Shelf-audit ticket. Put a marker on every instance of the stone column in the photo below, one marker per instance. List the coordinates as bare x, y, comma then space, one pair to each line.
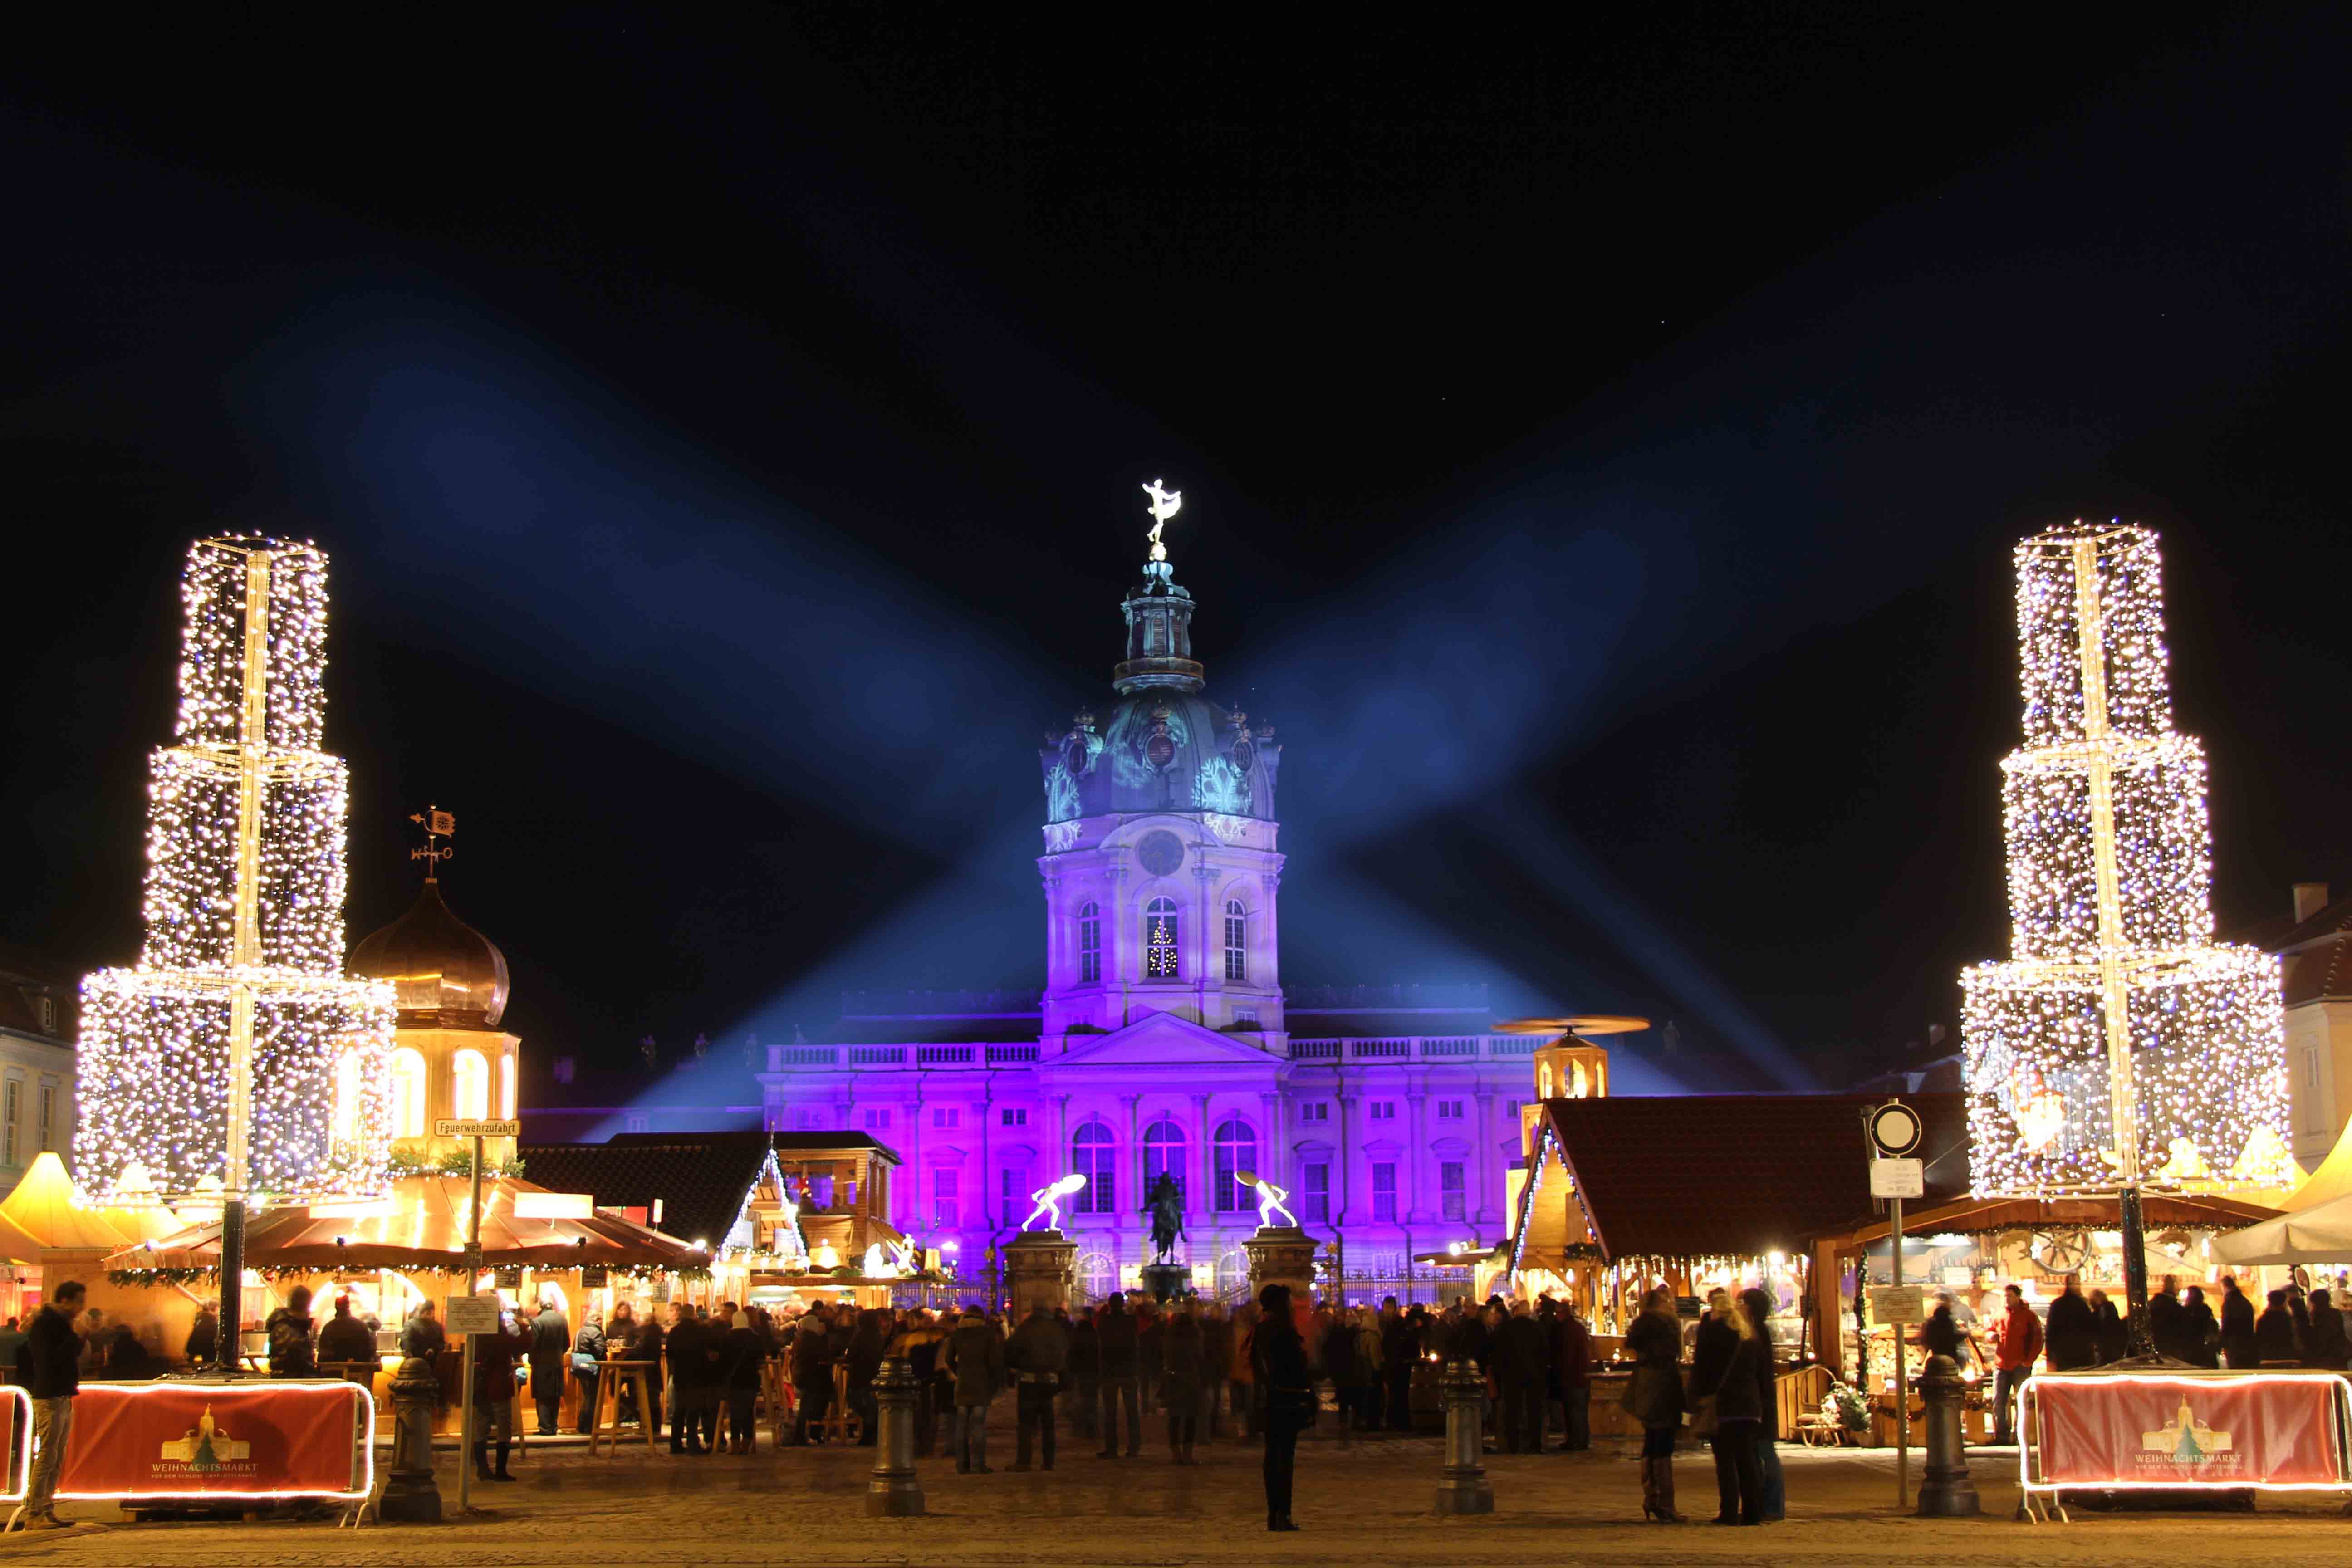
1042, 1265
1417, 1210
1130, 1201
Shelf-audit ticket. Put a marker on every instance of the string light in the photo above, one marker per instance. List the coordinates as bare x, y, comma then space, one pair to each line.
2115, 978
157, 1049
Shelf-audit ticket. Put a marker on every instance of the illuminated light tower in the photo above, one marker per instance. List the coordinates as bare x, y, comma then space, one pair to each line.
235, 1063
2120, 1045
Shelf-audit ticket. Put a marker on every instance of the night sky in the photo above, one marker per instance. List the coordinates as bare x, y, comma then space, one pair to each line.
1601, 451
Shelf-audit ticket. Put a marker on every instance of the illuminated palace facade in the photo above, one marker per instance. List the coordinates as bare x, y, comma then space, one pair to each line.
1164, 1041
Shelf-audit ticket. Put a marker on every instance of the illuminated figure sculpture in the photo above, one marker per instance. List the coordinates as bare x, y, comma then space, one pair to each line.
1048, 1199
2119, 1044
1165, 504
1269, 1198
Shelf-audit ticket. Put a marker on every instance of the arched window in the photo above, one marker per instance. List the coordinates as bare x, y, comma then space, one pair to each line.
347, 1100
506, 1085
1163, 1154
1237, 941
1159, 941
469, 1084
407, 1093
1236, 1150
1089, 944
1090, 1156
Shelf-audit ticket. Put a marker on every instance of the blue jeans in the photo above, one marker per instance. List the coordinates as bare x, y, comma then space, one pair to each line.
2004, 1394
971, 1437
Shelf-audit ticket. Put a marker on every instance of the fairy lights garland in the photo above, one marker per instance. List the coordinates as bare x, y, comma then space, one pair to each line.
2110, 870
156, 1039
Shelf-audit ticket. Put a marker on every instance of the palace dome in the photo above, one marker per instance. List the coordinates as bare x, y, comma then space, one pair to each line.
443, 973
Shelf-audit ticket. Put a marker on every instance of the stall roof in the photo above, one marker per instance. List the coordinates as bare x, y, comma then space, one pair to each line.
1737, 1174
701, 1181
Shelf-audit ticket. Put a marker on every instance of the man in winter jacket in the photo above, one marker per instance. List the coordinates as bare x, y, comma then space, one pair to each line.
288, 1329
1036, 1355
1115, 1337
345, 1338
53, 1347
551, 1348
2072, 1329
975, 1358
2021, 1343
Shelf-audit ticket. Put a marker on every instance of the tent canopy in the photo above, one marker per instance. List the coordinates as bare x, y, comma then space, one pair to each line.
2322, 1234
45, 1206
422, 1225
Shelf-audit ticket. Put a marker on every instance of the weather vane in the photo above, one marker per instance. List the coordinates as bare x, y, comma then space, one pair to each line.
437, 825
1164, 505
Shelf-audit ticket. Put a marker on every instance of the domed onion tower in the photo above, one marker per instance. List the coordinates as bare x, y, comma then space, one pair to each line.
1161, 871
449, 1056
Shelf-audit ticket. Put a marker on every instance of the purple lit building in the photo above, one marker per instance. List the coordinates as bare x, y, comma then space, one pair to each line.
1164, 1040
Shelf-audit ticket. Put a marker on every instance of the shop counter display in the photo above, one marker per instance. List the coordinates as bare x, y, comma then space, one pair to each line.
248, 1440
2182, 1431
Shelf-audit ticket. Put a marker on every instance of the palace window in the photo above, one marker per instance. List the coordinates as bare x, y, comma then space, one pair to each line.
942, 1117
1449, 1110
1450, 1188
1383, 1110
1384, 1193
1164, 1155
470, 1085
1318, 1187
8, 1120
878, 1118
1090, 1156
943, 1197
1013, 1118
407, 1093
1160, 961
48, 1117
1318, 1111
1089, 944
1236, 1150
637, 1121
1237, 941
1012, 1192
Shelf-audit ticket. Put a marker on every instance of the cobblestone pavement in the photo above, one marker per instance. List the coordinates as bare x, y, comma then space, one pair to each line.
1368, 1503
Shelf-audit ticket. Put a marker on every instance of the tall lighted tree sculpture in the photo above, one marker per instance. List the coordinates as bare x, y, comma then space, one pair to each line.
2119, 1045
235, 1063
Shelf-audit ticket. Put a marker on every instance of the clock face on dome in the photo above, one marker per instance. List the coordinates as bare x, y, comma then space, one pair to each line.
1160, 853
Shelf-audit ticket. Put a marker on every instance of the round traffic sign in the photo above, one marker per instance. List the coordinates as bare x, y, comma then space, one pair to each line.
1894, 1129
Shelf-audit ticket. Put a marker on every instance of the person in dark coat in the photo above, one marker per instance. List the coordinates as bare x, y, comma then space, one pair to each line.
127, 1360
2071, 1330
2238, 1345
2274, 1333
1085, 1373
345, 1338
50, 1358
1337, 1347
2327, 1348
650, 1344
494, 1394
204, 1335
1653, 1396
2164, 1325
2107, 1327
740, 1359
1725, 1368
2200, 1333
1767, 1394
1182, 1381
587, 1351
1399, 1349
1278, 1367
975, 1358
811, 1354
289, 1328
1036, 1356
1115, 1335
864, 1359
1519, 1371
688, 1351
1572, 1360
1217, 1363
550, 1348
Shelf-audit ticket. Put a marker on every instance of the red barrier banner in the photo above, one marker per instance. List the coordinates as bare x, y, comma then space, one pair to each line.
259, 1440
2151, 1429
16, 1415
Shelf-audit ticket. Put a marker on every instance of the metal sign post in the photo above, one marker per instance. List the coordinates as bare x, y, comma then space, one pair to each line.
1894, 1132
477, 1130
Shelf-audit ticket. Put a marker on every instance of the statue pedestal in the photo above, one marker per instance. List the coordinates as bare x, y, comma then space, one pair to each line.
1166, 1279
1281, 1254
1040, 1265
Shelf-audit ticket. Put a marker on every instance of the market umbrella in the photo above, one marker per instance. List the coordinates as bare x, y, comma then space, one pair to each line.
2322, 1234
422, 1225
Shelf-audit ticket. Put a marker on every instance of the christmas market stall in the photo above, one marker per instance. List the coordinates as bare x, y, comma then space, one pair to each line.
391, 1254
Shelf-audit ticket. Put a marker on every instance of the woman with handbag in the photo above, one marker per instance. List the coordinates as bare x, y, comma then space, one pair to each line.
1724, 1376
1278, 1366
1653, 1396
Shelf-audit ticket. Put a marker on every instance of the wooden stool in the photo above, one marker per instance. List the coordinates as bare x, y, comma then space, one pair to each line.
605, 1427
840, 1425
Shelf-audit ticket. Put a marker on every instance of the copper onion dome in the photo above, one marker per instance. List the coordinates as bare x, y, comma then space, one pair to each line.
443, 973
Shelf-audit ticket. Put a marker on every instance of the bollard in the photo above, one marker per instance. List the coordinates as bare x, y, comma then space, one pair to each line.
1463, 1486
893, 1488
1947, 1492
409, 1492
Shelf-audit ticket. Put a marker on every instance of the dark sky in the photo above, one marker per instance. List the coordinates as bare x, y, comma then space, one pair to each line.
1601, 451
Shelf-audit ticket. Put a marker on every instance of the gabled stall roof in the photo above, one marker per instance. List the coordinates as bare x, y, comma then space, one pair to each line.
701, 1182
1736, 1174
